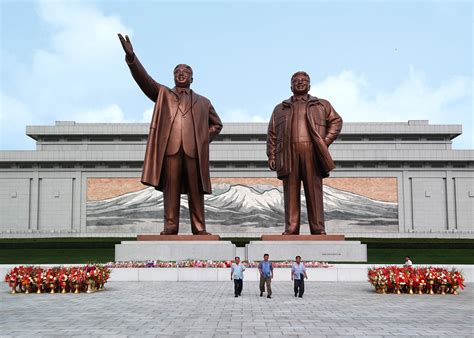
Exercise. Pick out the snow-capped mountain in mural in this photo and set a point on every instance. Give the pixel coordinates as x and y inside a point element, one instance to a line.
<point>259,206</point>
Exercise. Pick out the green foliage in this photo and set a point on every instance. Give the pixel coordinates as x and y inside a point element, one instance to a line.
<point>56,256</point>
<point>62,243</point>
<point>421,256</point>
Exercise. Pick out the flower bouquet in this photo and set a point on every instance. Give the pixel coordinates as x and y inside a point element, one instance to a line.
<point>430,280</point>
<point>38,276</point>
<point>91,277</point>
<point>63,279</point>
<point>77,278</point>
<point>457,281</point>
<point>24,278</point>
<point>52,279</point>
<point>12,278</point>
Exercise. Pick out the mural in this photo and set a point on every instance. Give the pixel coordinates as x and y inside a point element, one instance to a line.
<point>351,204</point>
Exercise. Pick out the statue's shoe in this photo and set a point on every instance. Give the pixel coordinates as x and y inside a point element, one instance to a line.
<point>290,233</point>
<point>168,232</point>
<point>203,232</point>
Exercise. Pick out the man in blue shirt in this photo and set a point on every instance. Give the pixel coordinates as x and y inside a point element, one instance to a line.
<point>266,274</point>
<point>237,274</point>
<point>298,274</point>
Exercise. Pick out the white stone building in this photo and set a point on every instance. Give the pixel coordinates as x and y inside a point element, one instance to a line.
<point>390,178</point>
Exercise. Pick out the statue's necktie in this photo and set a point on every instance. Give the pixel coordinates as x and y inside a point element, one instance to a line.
<point>184,103</point>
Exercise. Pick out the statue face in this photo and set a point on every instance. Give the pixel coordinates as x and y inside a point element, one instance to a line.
<point>183,76</point>
<point>300,85</point>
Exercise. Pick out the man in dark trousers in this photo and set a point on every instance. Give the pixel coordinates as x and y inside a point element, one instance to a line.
<point>177,152</point>
<point>298,275</point>
<point>237,274</point>
<point>299,133</point>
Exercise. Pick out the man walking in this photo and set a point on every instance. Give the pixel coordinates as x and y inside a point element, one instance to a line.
<point>298,274</point>
<point>266,274</point>
<point>237,274</point>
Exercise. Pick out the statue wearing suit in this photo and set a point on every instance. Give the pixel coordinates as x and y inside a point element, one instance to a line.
<point>299,133</point>
<point>177,152</point>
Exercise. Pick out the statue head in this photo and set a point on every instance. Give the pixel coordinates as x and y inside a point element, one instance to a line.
<point>183,76</point>
<point>300,83</point>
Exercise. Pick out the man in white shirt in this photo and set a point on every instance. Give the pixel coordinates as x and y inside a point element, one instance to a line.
<point>408,263</point>
<point>298,274</point>
<point>237,274</point>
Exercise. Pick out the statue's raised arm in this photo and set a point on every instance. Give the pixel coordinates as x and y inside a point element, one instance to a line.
<point>127,47</point>
<point>149,86</point>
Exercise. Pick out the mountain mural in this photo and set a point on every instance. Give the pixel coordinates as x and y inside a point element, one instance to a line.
<point>235,207</point>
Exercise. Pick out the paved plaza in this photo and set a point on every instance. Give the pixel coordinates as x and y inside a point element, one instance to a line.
<point>210,309</point>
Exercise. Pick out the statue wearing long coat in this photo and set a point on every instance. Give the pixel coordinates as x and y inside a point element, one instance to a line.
<point>207,125</point>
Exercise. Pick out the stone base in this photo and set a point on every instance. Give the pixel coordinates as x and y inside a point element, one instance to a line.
<point>174,250</point>
<point>316,250</point>
<point>178,237</point>
<point>303,237</point>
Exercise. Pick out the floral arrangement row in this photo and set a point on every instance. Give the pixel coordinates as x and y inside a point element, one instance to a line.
<point>420,280</point>
<point>204,264</point>
<point>75,279</point>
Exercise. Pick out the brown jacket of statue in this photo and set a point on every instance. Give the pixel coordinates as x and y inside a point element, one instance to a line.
<point>324,125</point>
<point>207,125</point>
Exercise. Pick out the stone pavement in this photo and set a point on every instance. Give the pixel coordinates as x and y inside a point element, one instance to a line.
<point>210,309</point>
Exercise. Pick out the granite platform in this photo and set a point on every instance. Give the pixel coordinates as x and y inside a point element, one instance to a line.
<point>310,250</point>
<point>327,248</point>
<point>174,250</point>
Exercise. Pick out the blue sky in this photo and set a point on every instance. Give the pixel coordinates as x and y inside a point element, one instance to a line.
<point>375,61</point>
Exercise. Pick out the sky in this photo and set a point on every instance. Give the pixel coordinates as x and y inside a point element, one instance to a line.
<point>375,61</point>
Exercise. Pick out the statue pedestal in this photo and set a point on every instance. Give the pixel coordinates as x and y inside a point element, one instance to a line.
<point>178,237</point>
<point>323,248</point>
<point>175,248</point>
<point>303,237</point>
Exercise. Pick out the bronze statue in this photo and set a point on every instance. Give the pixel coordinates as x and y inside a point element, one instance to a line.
<point>299,134</point>
<point>177,151</point>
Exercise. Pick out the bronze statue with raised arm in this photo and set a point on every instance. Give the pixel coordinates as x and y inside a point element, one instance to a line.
<point>177,151</point>
<point>299,133</point>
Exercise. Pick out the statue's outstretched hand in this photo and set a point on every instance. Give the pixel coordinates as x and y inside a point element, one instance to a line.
<point>127,45</point>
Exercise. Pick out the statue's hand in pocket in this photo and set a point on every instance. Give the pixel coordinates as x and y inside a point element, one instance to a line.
<point>272,165</point>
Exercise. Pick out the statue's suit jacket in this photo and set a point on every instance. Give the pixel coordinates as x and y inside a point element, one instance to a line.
<point>207,125</point>
<point>324,125</point>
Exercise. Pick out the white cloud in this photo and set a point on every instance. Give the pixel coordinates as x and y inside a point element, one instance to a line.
<point>78,74</point>
<point>356,100</point>
<point>82,60</point>
<point>354,97</point>
<point>14,116</point>
<point>110,114</point>
<point>241,115</point>
<point>83,34</point>
<point>147,115</point>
